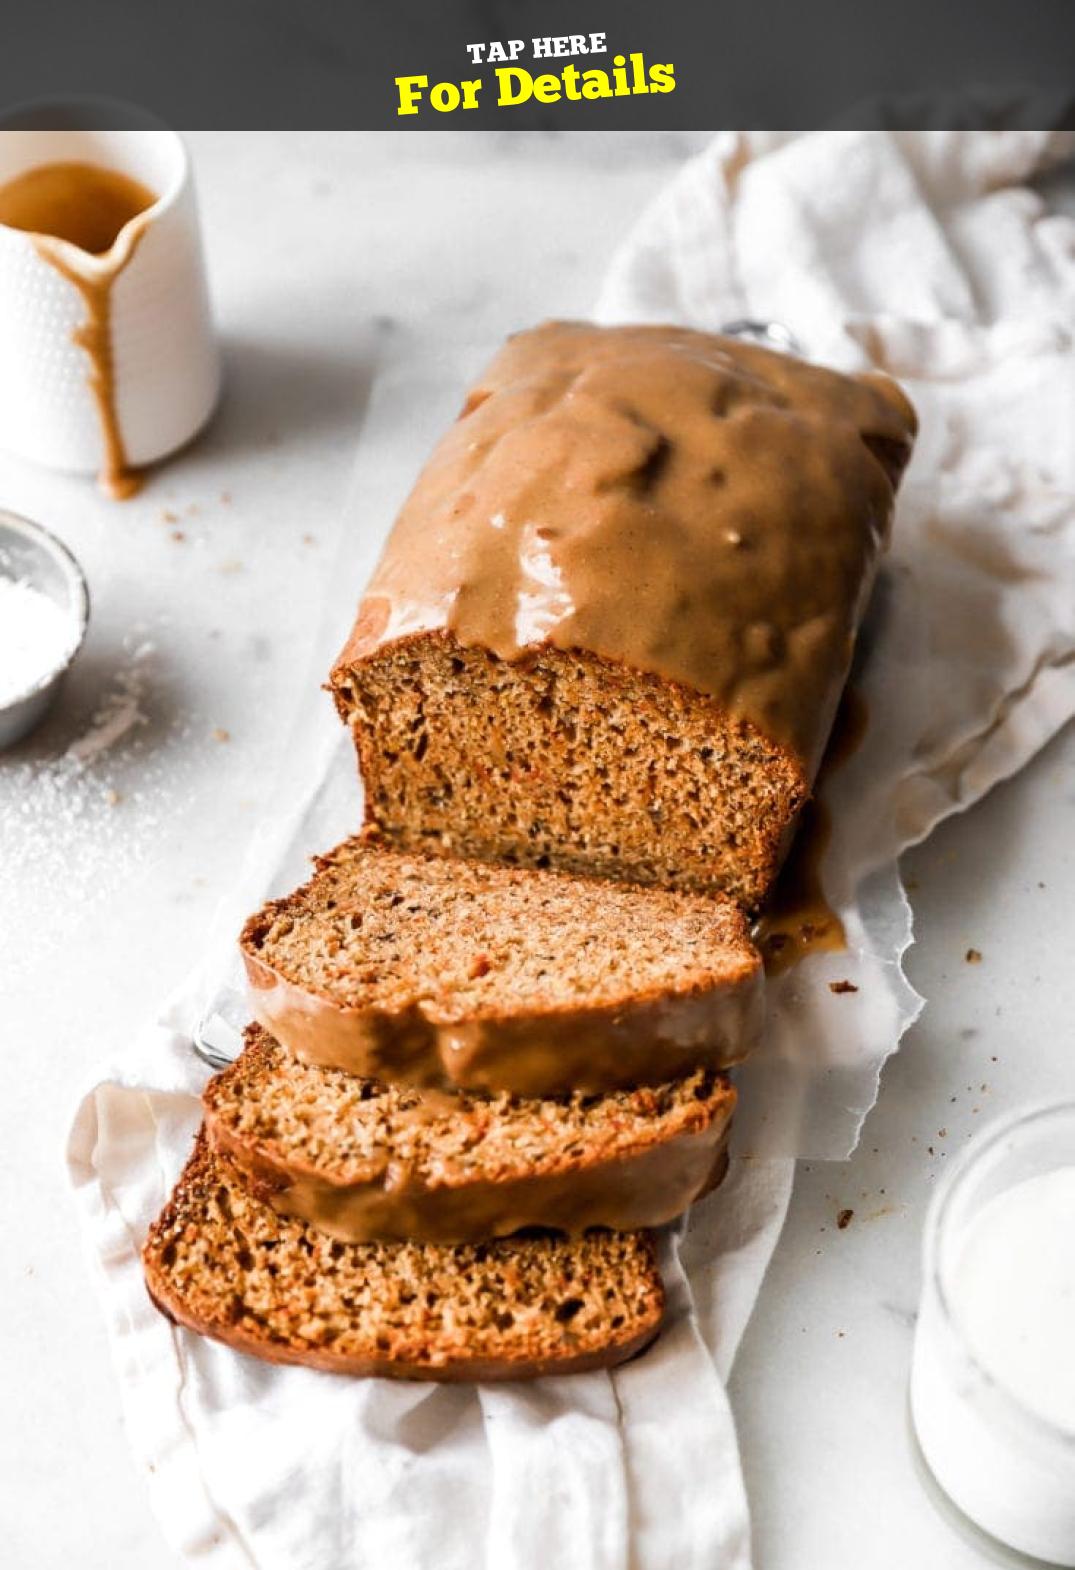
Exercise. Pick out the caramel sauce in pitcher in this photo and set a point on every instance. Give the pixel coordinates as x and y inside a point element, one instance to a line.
<point>82,219</point>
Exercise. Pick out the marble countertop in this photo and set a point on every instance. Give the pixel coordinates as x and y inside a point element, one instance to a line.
<point>208,592</point>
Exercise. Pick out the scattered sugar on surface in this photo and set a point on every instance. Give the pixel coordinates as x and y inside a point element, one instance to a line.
<point>119,712</point>
<point>82,819</point>
<point>36,637</point>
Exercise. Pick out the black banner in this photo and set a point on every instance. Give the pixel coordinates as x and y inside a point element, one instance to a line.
<point>513,65</point>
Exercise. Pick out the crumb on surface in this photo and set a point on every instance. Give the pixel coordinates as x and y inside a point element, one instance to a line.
<point>220,734</point>
<point>973,957</point>
<point>842,986</point>
<point>843,1219</point>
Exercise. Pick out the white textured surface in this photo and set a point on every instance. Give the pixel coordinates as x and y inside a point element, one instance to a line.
<point>309,240</point>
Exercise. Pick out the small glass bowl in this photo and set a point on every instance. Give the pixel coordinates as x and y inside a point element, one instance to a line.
<point>1008,1469</point>
<point>32,555</point>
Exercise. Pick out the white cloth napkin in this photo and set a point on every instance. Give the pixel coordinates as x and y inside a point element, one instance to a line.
<point>926,254</point>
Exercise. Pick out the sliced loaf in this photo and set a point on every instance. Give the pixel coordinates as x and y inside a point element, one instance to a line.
<point>363,1161</point>
<point>416,969</point>
<point>612,622</point>
<point>221,1262</point>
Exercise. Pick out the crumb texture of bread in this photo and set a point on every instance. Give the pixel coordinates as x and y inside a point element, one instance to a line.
<point>363,1160</point>
<point>411,968</point>
<point>611,625</point>
<point>568,761</point>
<point>221,1262</point>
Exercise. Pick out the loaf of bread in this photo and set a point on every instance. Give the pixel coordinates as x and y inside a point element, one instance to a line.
<point>370,1162</point>
<point>611,625</point>
<point>416,969</point>
<point>223,1263</point>
<point>590,685</point>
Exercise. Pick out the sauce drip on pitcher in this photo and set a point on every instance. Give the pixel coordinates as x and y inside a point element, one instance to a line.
<point>87,222</point>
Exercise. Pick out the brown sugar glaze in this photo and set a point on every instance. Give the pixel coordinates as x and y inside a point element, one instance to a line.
<point>84,220</point>
<point>798,919</point>
<point>677,502</point>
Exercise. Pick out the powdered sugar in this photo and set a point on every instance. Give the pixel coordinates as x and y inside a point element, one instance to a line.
<point>119,712</point>
<point>36,638</point>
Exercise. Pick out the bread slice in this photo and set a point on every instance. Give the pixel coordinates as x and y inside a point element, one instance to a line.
<point>224,1264</point>
<point>612,622</point>
<point>420,970</point>
<point>363,1161</point>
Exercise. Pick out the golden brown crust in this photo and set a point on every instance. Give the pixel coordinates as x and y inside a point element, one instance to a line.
<point>701,1017</point>
<point>462,1370</point>
<point>454,1170</point>
<point>220,1263</point>
<point>643,1043</point>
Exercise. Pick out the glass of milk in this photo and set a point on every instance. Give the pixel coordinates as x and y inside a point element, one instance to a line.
<point>993,1378</point>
